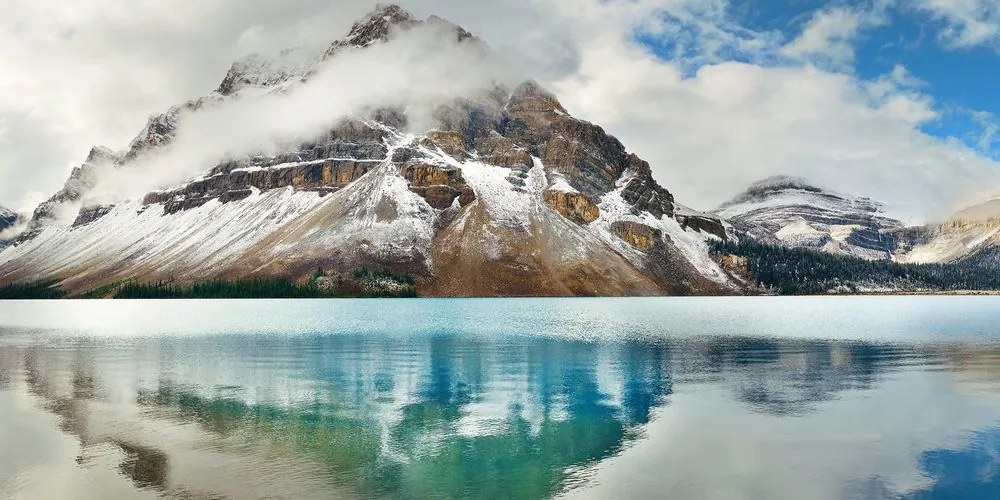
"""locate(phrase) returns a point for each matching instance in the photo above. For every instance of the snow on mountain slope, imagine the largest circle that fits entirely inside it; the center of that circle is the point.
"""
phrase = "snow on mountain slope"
(503, 193)
(9, 222)
(793, 212)
(7, 218)
(964, 235)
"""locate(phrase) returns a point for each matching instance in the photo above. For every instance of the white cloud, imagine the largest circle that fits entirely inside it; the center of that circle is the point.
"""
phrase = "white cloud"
(710, 135)
(90, 72)
(829, 35)
(967, 23)
(990, 132)
(417, 70)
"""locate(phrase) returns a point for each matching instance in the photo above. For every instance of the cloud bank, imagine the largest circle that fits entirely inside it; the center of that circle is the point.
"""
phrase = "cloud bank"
(417, 70)
(711, 104)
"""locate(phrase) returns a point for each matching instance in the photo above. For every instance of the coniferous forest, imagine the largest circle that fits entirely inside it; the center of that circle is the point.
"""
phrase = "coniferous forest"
(360, 283)
(789, 271)
(31, 290)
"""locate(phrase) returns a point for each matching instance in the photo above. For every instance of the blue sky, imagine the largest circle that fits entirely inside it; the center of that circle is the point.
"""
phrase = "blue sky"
(961, 78)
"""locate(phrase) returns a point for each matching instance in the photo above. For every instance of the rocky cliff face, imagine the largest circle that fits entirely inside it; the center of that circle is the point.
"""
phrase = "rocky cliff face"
(504, 194)
(63, 205)
(793, 212)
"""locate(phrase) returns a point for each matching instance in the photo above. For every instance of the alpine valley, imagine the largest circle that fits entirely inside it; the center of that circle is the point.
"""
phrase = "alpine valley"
(500, 192)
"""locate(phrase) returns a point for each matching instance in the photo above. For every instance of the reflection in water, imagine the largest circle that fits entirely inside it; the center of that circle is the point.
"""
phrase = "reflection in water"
(455, 416)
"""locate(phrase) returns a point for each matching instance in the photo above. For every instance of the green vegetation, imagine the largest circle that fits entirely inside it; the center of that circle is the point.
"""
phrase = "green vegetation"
(362, 283)
(32, 290)
(384, 283)
(800, 272)
(275, 288)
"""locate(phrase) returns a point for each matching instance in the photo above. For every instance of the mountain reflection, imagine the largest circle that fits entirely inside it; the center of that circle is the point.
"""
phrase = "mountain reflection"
(434, 416)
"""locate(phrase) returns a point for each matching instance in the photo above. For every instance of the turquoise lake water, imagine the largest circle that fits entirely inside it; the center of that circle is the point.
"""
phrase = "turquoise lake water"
(747, 398)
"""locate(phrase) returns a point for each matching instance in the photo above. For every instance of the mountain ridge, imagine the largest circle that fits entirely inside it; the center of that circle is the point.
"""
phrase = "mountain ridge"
(504, 194)
(794, 212)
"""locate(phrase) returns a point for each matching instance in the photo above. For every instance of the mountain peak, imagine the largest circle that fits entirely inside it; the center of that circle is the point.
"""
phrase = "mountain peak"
(102, 154)
(256, 70)
(389, 11)
(377, 24)
(782, 183)
(794, 212)
(532, 97)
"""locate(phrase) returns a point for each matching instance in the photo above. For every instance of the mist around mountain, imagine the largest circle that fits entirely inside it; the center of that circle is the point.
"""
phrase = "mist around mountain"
(407, 159)
(404, 147)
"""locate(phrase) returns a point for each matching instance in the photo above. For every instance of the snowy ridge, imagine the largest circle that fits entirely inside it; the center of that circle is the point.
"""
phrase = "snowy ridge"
(793, 212)
(259, 73)
(691, 243)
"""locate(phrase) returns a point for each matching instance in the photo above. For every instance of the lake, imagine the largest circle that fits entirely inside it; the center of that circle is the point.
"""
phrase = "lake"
(747, 398)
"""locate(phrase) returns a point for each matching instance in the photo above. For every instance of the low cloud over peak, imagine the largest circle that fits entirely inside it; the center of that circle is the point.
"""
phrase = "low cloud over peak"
(795, 92)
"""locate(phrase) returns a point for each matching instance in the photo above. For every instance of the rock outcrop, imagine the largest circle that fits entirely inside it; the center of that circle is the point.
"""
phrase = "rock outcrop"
(91, 214)
(642, 237)
(66, 202)
(704, 223)
(572, 205)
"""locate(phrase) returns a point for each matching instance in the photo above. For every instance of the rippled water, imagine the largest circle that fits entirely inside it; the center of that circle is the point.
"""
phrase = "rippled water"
(866, 397)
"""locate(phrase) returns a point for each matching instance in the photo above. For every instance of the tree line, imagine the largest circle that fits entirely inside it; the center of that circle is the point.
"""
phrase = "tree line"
(793, 271)
(360, 282)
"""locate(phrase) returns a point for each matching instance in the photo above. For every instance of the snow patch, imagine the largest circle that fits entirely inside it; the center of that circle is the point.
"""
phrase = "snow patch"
(692, 244)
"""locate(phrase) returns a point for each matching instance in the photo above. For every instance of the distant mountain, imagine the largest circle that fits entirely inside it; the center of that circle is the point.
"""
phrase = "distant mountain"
(971, 234)
(503, 194)
(793, 212)
(8, 219)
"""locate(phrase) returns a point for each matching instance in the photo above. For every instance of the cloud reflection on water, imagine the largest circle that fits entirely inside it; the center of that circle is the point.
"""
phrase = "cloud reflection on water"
(519, 417)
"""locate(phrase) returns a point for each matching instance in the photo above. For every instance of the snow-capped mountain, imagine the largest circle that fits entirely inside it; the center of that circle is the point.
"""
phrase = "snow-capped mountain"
(8, 220)
(971, 234)
(504, 193)
(794, 212)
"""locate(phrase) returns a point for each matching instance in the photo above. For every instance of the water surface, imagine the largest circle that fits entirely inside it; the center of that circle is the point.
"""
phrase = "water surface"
(864, 397)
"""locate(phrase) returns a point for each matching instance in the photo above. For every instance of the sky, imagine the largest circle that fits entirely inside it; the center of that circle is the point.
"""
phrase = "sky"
(892, 99)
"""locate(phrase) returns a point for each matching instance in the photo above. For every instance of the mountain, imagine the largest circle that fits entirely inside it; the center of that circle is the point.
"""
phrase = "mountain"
(793, 212)
(502, 193)
(8, 220)
(971, 234)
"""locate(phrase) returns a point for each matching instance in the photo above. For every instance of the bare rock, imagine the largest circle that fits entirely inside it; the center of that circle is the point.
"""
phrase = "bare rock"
(704, 223)
(91, 214)
(640, 236)
(576, 207)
